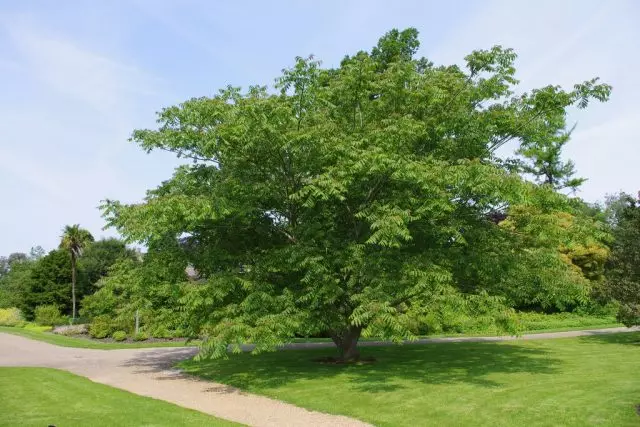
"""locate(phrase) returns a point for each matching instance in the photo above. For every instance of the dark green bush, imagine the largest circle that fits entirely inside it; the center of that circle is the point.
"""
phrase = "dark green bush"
(49, 315)
(119, 335)
(141, 336)
(101, 327)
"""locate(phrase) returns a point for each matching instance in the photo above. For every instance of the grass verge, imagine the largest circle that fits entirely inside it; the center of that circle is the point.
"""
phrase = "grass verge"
(43, 334)
(42, 396)
(76, 342)
(571, 382)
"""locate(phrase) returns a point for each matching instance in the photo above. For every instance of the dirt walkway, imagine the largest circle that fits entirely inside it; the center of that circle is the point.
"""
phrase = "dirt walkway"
(148, 372)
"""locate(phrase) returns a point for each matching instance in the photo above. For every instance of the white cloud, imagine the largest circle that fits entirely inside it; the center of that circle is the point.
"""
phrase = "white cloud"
(72, 70)
(66, 118)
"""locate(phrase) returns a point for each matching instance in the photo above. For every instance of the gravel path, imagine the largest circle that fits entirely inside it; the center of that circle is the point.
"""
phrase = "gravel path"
(148, 372)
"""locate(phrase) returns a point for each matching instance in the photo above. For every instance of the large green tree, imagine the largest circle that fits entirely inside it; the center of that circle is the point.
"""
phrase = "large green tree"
(345, 200)
(623, 268)
(74, 240)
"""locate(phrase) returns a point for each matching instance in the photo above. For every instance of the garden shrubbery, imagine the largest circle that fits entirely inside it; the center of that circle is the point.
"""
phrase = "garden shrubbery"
(11, 317)
(49, 315)
(119, 336)
(141, 336)
(101, 327)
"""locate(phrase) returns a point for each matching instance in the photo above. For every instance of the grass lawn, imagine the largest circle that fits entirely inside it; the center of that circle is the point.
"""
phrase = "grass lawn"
(486, 334)
(65, 341)
(42, 396)
(561, 382)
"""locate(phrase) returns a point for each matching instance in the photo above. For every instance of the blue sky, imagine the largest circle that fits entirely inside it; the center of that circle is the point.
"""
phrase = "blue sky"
(78, 76)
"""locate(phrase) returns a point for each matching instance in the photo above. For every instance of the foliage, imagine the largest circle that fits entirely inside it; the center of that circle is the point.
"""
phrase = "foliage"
(31, 397)
(346, 199)
(41, 279)
(506, 384)
(6, 262)
(556, 258)
(48, 315)
(119, 336)
(101, 327)
(532, 321)
(99, 256)
(148, 288)
(36, 252)
(47, 282)
(14, 278)
(623, 268)
(74, 240)
(141, 336)
(11, 317)
(542, 158)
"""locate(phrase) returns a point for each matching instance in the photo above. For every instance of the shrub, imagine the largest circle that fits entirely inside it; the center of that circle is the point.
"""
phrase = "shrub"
(161, 332)
(101, 327)
(119, 335)
(49, 315)
(179, 333)
(538, 321)
(141, 336)
(11, 317)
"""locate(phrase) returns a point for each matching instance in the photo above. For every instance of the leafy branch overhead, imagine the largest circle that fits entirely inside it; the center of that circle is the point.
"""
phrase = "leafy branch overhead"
(354, 199)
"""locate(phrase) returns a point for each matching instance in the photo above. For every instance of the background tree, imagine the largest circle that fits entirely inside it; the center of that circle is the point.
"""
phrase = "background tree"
(623, 268)
(99, 256)
(74, 239)
(14, 279)
(8, 261)
(150, 288)
(47, 283)
(36, 253)
(342, 201)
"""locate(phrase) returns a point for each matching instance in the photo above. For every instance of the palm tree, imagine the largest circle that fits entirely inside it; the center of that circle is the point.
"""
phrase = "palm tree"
(74, 239)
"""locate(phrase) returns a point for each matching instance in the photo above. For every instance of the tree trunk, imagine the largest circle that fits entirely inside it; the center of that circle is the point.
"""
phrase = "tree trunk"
(73, 287)
(347, 342)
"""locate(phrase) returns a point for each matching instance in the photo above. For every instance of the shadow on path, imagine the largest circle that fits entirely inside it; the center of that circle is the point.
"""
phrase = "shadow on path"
(159, 360)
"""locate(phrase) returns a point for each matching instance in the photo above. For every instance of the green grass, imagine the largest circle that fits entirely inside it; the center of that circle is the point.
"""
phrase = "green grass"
(76, 342)
(484, 334)
(536, 322)
(42, 396)
(570, 382)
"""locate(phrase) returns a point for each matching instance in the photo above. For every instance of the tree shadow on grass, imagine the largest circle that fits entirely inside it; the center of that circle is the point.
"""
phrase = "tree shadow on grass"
(470, 363)
(624, 338)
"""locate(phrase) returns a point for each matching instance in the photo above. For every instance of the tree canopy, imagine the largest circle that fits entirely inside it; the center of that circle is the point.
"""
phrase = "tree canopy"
(357, 199)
